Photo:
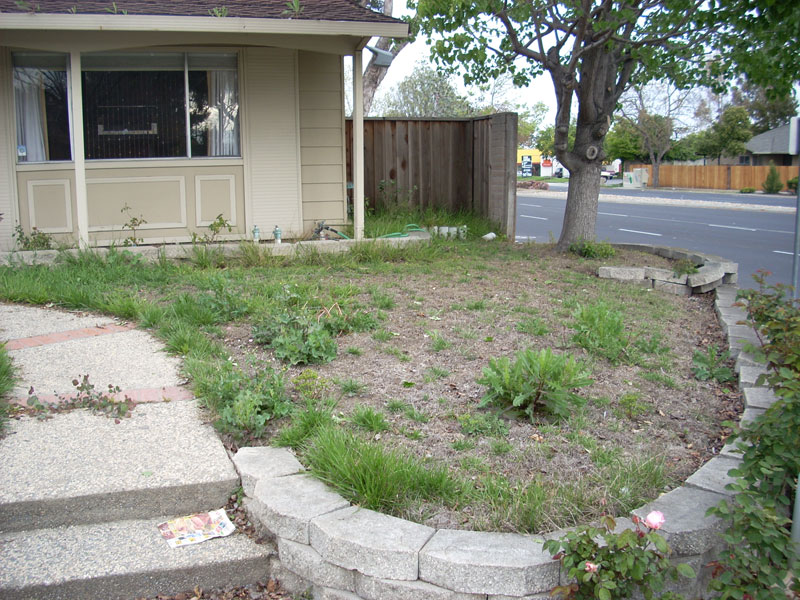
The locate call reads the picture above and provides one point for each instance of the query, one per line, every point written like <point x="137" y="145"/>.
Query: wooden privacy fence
<point x="713" y="177"/>
<point x="457" y="164"/>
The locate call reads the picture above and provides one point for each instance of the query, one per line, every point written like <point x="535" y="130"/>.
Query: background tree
<point x="726" y="137"/>
<point x="591" y="50"/>
<point x="624" y="142"/>
<point x="545" y="139"/>
<point x="424" y="93"/>
<point x="657" y="111"/>
<point x="373" y="74"/>
<point x="767" y="109"/>
<point x="529" y="121"/>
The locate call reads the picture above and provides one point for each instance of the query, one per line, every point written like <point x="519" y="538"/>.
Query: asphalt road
<point x="756" y="237"/>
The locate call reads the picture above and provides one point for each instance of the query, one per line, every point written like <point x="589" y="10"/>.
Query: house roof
<point x="774" y="141"/>
<point x="312" y="10"/>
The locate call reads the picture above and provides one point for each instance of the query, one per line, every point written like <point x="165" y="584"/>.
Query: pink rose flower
<point x="591" y="567"/>
<point x="654" y="520"/>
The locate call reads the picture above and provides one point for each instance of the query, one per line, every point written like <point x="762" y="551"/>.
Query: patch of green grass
<point x="462" y="445"/>
<point x="369" y="419"/>
<point x="632" y="406"/>
<point x="482" y="424"/>
<point x="377" y="478"/>
<point x="660" y="378"/>
<point x="465" y="333"/>
<point x="533" y="326"/>
<point x="354" y="351"/>
<point x="400" y="355"/>
<point x="501" y="447"/>
<point x="438" y="342"/>
<point x="305" y="424"/>
<point x="395" y="406"/>
<point x="600" y="330"/>
<point x="382" y="300"/>
<point x="412" y="434"/>
<point x="474" y="464"/>
<point x="351" y="387"/>
<point x="475" y="305"/>
<point x="382" y="335"/>
<point x="415" y="415"/>
<point x="434" y="373"/>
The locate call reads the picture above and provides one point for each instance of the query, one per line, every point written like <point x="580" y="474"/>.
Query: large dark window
<point x="138" y="105"/>
<point x="42" y="113"/>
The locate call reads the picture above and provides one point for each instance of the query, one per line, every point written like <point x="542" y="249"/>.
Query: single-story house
<point x="172" y="113"/>
<point x="772" y="146"/>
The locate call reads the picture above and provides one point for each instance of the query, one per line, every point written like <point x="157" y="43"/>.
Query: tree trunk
<point x="656" y="169"/>
<point x="580" y="214"/>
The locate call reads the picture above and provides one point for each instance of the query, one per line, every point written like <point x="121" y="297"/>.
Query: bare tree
<point x="374" y="74"/>
<point x="658" y="111"/>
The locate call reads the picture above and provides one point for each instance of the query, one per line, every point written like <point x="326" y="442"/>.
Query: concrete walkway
<point x="81" y="494"/>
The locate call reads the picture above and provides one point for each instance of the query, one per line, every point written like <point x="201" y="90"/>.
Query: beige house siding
<point x="322" y="138"/>
<point x="271" y="146"/>
<point x="7" y="153"/>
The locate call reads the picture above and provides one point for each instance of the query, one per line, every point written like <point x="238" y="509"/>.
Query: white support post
<point x="358" y="146"/>
<point x="78" y="154"/>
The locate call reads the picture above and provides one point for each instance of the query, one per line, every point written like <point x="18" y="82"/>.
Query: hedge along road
<point x="756" y="235"/>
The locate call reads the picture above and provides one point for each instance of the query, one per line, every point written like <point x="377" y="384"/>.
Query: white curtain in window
<point x="223" y="122"/>
<point x="30" y="124"/>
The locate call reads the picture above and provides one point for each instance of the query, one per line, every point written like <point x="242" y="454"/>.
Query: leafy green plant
<point x="501" y="447"/>
<point x="293" y="9"/>
<point x="747" y="190"/>
<point x="600" y="330"/>
<point x="309" y="385"/>
<point x="86" y="396"/>
<point x="461" y="445"/>
<point x="772" y="184"/>
<point x="482" y="424"/>
<point x="792" y="184"/>
<point x="606" y="565"/>
<point x="415" y="415"/>
<point x="297" y="339"/>
<point x="132" y="223"/>
<point x="592" y="249"/>
<point x="35" y="240"/>
<point x="632" y="406"/>
<point x="305" y="424"/>
<point x="369" y="419"/>
<point x="766" y="478"/>
<point x="535" y="383"/>
<point x="218" y="11"/>
<point x="710" y="365"/>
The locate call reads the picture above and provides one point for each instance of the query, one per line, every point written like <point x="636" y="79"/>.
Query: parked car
<point x="607" y="175"/>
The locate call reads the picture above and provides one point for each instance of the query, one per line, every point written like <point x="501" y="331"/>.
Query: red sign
<point x="547" y="163"/>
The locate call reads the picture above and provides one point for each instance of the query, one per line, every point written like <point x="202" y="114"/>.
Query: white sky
<point x="540" y="90"/>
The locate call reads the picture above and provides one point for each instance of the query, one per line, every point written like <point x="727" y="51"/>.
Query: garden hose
<point x="404" y="233"/>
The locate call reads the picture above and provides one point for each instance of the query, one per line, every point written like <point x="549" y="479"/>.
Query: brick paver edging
<point x="347" y="553"/>
<point x="66" y="336"/>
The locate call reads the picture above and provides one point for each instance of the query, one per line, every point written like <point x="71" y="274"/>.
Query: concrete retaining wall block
<point x="264" y="462"/>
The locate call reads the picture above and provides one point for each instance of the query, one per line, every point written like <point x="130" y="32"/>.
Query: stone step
<point x="79" y="468"/>
<point x="121" y="560"/>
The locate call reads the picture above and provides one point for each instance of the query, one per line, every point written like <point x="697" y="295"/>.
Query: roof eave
<point x="78" y="22"/>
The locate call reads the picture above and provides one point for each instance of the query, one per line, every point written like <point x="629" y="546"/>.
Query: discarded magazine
<point x="194" y="529"/>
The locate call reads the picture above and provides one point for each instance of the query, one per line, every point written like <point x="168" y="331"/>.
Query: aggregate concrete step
<point x="79" y="468"/>
<point x="121" y="560"/>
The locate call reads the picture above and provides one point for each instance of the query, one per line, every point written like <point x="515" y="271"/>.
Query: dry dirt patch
<point x="420" y="368"/>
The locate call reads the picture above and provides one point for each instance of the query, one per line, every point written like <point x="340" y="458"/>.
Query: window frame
<point x="188" y="156"/>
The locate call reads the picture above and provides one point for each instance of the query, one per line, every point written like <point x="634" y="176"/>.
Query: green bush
<point x="747" y="190"/>
<point x="297" y="339"/>
<point x="772" y="184"/>
<point x="535" y="383"/>
<point x="35" y="240"/>
<point x="766" y="478"/>
<point x="792" y="184"/>
<point x="592" y="249"/>
<point x="710" y="365"/>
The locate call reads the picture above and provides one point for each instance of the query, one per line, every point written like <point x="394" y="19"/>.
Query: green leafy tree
<point x="529" y="120"/>
<point x="766" y="108"/>
<point x="593" y="50"/>
<point x="726" y="137"/>
<point x="545" y="139"/>
<point x="624" y="142"/>
<point x="425" y="93"/>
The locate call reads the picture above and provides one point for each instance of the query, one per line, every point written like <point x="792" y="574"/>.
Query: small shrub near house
<point x="773" y="183"/>
<point x="792" y="185"/>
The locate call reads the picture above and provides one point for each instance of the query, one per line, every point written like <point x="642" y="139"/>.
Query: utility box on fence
<point x="635" y="179"/>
